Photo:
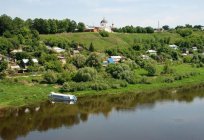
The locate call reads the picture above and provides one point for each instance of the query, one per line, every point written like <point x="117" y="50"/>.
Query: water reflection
<point x="15" y="123"/>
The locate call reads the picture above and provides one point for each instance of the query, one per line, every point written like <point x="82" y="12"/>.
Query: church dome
<point x="104" y="21"/>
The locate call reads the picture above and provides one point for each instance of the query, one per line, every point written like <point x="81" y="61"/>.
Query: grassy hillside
<point x="120" y="40"/>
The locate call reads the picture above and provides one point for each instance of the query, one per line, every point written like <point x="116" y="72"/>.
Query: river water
<point x="163" y="115"/>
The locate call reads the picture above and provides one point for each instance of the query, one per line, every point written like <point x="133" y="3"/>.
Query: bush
<point x="121" y="71"/>
<point x="167" y="69"/>
<point x="123" y="83"/>
<point x="169" y="80"/>
<point x="73" y="86"/>
<point x="104" y="34"/>
<point x="85" y="74"/>
<point x="184" y="32"/>
<point x="145" y="80"/>
<point x="115" y="86"/>
<point x="64" y="77"/>
<point x="50" y="77"/>
<point x="99" y="86"/>
<point x="151" y="69"/>
<point x="79" y="60"/>
<point x="93" y="61"/>
<point x="3" y="66"/>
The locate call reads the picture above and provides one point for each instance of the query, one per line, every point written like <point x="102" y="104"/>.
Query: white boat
<point x="62" y="97"/>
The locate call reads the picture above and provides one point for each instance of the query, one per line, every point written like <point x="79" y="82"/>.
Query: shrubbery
<point x="104" y="34"/>
<point x="151" y="69"/>
<point x="121" y="71"/>
<point x="85" y="74"/>
<point x="50" y="77"/>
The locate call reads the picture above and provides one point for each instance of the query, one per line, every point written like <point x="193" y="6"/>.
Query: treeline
<point x="43" y="26"/>
<point x="138" y="29"/>
<point x="132" y="29"/>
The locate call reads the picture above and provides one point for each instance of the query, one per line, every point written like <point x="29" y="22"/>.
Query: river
<point x="162" y="115"/>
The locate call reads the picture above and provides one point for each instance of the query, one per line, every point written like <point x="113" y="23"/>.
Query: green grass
<point x="19" y="94"/>
<point x="23" y="92"/>
<point x="115" y="40"/>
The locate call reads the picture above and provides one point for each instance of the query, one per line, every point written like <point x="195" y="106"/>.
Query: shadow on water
<point x="15" y="123"/>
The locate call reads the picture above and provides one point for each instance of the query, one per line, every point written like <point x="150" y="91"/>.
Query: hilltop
<point x="115" y="40"/>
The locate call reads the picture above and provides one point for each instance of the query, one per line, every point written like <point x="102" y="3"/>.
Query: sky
<point x="120" y="12"/>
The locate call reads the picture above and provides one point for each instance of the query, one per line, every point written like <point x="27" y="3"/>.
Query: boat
<point x="62" y="97"/>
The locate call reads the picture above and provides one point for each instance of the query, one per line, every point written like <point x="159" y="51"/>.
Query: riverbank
<point x="17" y="94"/>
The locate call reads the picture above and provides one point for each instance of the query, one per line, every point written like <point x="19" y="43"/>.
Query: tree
<point x="149" y="30"/>
<point x="54" y="65"/>
<point x="151" y="69"/>
<point x="63" y="25"/>
<point x="3" y="66"/>
<point x="167" y="69"/>
<point x="72" y="26"/>
<point x="17" y="24"/>
<point x="198" y="27"/>
<point x="41" y="25"/>
<point x="81" y="27"/>
<point x="93" y="61"/>
<point x="104" y="34"/>
<point x="5" y="46"/>
<point x="53" y="26"/>
<point x="79" y="61"/>
<point x="166" y="27"/>
<point x="184" y="32"/>
<point x="121" y="71"/>
<point x="50" y="77"/>
<point x="5" y="23"/>
<point x="91" y="47"/>
<point x="85" y="74"/>
<point x="22" y="55"/>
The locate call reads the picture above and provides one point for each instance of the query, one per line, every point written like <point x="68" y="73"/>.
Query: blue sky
<point x="120" y="12"/>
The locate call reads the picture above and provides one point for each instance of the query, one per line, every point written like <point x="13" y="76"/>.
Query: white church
<point x="103" y="27"/>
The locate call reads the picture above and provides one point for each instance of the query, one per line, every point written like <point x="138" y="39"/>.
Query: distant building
<point x="103" y="27"/>
<point x="115" y="59"/>
<point x="35" y="60"/>
<point x="58" y="50"/>
<point x="62" y="59"/>
<point x="152" y="52"/>
<point x="91" y="29"/>
<point x="184" y="54"/>
<point x="194" y="48"/>
<point x="75" y="52"/>
<point x="15" y="67"/>
<point x="145" y="57"/>
<point x="175" y="47"/>
<point x="16" y="51"/>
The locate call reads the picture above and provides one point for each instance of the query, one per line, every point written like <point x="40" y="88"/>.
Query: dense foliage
<point x="85" y="63"/>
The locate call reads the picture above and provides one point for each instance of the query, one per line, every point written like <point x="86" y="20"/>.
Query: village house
<point x="145" y="57"/>
<point x="75" y="52"/>
<point x="194" y="48"/>
<point x="16" y="51"/>
<point x="112" y="60"/>
<point x="91" y="29"/>
<point x="35" y="60"/>
<point x="58" y="50"/>
<point x="62" y="59"/>
<point x="152" y="52"/>
<point x="79" y="48"/>
<point x="25" y="62"/>
<point x="175" y="47"/>
<point x="15" y="67"/>
<point x="115" y="59"/>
